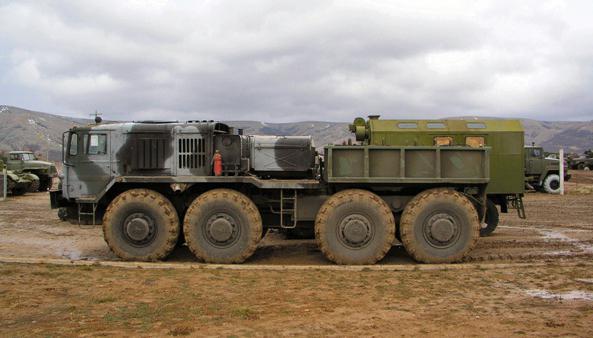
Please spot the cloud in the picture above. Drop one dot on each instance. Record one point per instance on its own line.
(302, 60)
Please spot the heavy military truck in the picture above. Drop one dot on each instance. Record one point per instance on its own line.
(154, 184)
(27, 162)
(542, 172)
(504, 137)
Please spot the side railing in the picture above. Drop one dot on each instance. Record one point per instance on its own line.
(407, 164)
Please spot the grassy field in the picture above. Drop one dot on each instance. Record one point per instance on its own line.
(47, 300)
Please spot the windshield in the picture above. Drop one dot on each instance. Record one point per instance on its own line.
(28, 157)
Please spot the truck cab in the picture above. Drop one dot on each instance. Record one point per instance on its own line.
(541, 171)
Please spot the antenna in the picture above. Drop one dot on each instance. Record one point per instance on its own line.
(97, 116)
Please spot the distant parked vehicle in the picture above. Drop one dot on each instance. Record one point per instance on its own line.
(27, 162)
(543, 172)
(584, 162)
(17, 183)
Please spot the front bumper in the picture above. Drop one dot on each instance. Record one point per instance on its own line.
(57, 200)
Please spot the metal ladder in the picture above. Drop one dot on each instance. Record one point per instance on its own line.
(291, 209)
(516, 202)
(82, 212)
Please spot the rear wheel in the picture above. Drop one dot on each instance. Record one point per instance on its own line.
(354, 227)
(439, 226)
(18, 191)
(142, 225)
(552, 184)
(222, 226)
(492, 218)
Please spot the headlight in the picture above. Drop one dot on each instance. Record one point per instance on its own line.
(55, 184)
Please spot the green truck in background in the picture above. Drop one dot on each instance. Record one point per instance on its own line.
(543, 172)
(16, 183)
(40, 172)
(504, 137)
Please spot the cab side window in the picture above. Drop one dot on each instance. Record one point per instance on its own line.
(14, 157)
(97, 144)
(73, 151)
(474, 141)
(536, 152)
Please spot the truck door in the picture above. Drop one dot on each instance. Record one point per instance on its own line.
(88, 165)
(535, 161)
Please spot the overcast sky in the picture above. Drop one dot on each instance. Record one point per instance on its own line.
(298, 60)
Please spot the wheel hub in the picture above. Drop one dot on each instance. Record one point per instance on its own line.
(221, 229)
(139, 227)
(355, 231)
(441, 229)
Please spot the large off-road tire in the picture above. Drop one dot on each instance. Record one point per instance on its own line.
(19, 191)
(492, 218)
(35, 183)
(580, 166)
(141, 225)
(354, 227)
(222, 226)
(439, 226)
(552, 184)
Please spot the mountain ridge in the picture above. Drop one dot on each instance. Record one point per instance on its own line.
(42, 132)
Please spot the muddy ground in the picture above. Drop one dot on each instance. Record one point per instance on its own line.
(555, 299)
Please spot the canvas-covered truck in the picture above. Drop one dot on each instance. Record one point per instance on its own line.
(504, 137)
(153, 185)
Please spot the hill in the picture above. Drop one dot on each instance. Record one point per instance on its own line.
(42, 132)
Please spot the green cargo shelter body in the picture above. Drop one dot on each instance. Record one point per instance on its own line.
(504, 137)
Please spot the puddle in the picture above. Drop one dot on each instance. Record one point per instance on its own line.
(585, 280)
(571, 295)
(556, 235)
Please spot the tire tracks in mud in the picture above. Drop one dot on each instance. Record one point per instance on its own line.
(355, 268)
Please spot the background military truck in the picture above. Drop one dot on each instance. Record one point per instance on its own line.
(543, 172)
(16, 183)
(27, 162)
(505, 137)
(584, 162)
(153, 184)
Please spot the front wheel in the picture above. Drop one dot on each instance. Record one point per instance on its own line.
(141, 225)
(552, 184)
(35, 183)
(439, 226)
(355, 227)
(222, 226)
